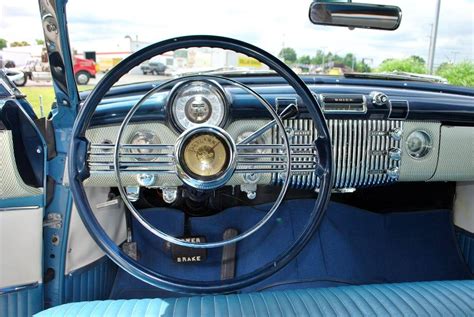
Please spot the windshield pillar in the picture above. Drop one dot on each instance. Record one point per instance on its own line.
(53, 18)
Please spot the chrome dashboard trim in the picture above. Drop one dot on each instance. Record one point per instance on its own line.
(360, 152)
(320, 98)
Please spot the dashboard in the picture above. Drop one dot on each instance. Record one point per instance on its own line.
(380, 135)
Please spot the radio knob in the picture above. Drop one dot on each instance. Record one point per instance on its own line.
(395, 154)
(396, 134)
(393, 172)
(379, 99)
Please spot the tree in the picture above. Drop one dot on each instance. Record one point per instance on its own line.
(22, 43)
(305, 59)
(419, 59)
(461, 74)
(39, 42)
(318, 58)
(362, 67)
(288, 55)
(3, 44)
(412, 64)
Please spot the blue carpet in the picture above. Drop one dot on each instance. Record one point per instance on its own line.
(352, 246)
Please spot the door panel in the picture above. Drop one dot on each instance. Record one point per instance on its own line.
(21, 215)
(21, 240)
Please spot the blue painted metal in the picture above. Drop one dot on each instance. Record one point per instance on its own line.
(22, 302)
(92, 282)
(23, 201)
(53, 18)
(134, 267)
(319, 80)
(449, 298)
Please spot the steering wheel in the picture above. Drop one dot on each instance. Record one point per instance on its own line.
(194, 177)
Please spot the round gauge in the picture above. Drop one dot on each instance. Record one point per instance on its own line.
(205, 155)
(418, 144)
(198, 102)
(144, 138)
(242, 136)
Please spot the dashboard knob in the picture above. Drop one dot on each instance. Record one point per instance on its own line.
(393, 172)
(395, 154)
(396, 134)
(379, 99)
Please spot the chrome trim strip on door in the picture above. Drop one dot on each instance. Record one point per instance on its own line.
(17, 288)
(19, 208)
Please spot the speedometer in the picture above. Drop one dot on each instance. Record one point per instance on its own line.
(198, 102)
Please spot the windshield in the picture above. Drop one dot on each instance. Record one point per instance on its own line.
(108, 31)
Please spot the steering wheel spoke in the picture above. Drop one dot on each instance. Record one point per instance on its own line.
(272, 158)
(133, 158)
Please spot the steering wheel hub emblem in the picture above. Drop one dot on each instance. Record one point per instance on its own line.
(205, 157)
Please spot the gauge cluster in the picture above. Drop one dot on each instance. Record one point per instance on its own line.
(198, 102)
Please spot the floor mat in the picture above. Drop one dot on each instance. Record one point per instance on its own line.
(352, 246)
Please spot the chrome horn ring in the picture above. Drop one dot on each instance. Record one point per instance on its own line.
(155, 231)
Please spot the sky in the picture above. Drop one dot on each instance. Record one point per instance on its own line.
(102, 25)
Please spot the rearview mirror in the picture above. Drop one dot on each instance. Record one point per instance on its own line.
(355, 15)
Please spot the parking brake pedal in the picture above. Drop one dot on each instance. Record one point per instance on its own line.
(228, 255)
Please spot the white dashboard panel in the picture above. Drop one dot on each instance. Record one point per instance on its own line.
(456, 155)
(451, 157)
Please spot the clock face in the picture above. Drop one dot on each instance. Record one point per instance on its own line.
(205, 155)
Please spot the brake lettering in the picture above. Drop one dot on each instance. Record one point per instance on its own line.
(183, 259)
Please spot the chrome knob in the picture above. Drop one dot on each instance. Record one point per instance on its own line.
(396, 134)
(170, 194)
(395, 154)
(393, 172)
(146, 180)
(379, 99)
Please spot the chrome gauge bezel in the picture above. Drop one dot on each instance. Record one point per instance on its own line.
(175, 93)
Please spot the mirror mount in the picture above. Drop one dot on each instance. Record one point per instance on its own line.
(355, 15)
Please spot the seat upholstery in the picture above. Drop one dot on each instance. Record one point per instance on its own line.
(441, 298)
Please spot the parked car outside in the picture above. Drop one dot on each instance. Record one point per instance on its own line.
(35, 69)
(153, 68)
